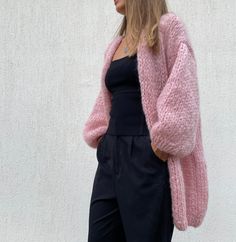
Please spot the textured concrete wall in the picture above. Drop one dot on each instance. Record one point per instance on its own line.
(51, 58)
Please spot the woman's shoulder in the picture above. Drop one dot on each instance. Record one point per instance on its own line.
(173, 27)
(169, 20)
(110, 43)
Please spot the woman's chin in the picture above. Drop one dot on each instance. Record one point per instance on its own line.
(120, 8)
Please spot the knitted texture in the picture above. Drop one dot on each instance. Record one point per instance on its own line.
(170, 100)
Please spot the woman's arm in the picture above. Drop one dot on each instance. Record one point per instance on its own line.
(178, 104)
(96, 124)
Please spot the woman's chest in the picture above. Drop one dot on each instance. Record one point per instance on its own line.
(122, 75)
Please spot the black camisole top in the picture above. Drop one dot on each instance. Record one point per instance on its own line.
(126, 115)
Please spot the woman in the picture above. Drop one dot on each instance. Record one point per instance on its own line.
(146, 126)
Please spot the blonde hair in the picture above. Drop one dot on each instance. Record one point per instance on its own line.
(139, 15)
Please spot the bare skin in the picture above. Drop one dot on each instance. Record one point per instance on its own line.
(120, 8)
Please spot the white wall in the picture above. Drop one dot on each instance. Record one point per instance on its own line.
(51, 58)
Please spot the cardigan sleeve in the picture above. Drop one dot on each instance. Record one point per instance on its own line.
(177, 105)
(96, 124)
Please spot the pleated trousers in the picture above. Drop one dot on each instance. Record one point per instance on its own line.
(131, 197)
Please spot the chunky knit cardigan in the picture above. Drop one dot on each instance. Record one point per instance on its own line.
(170, 100)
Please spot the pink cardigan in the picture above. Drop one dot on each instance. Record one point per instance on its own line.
(170, 100)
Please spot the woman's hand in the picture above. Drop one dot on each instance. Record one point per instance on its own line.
(160, 154)
(99, 139)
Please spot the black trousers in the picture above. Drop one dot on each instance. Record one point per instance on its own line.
(131, 200)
